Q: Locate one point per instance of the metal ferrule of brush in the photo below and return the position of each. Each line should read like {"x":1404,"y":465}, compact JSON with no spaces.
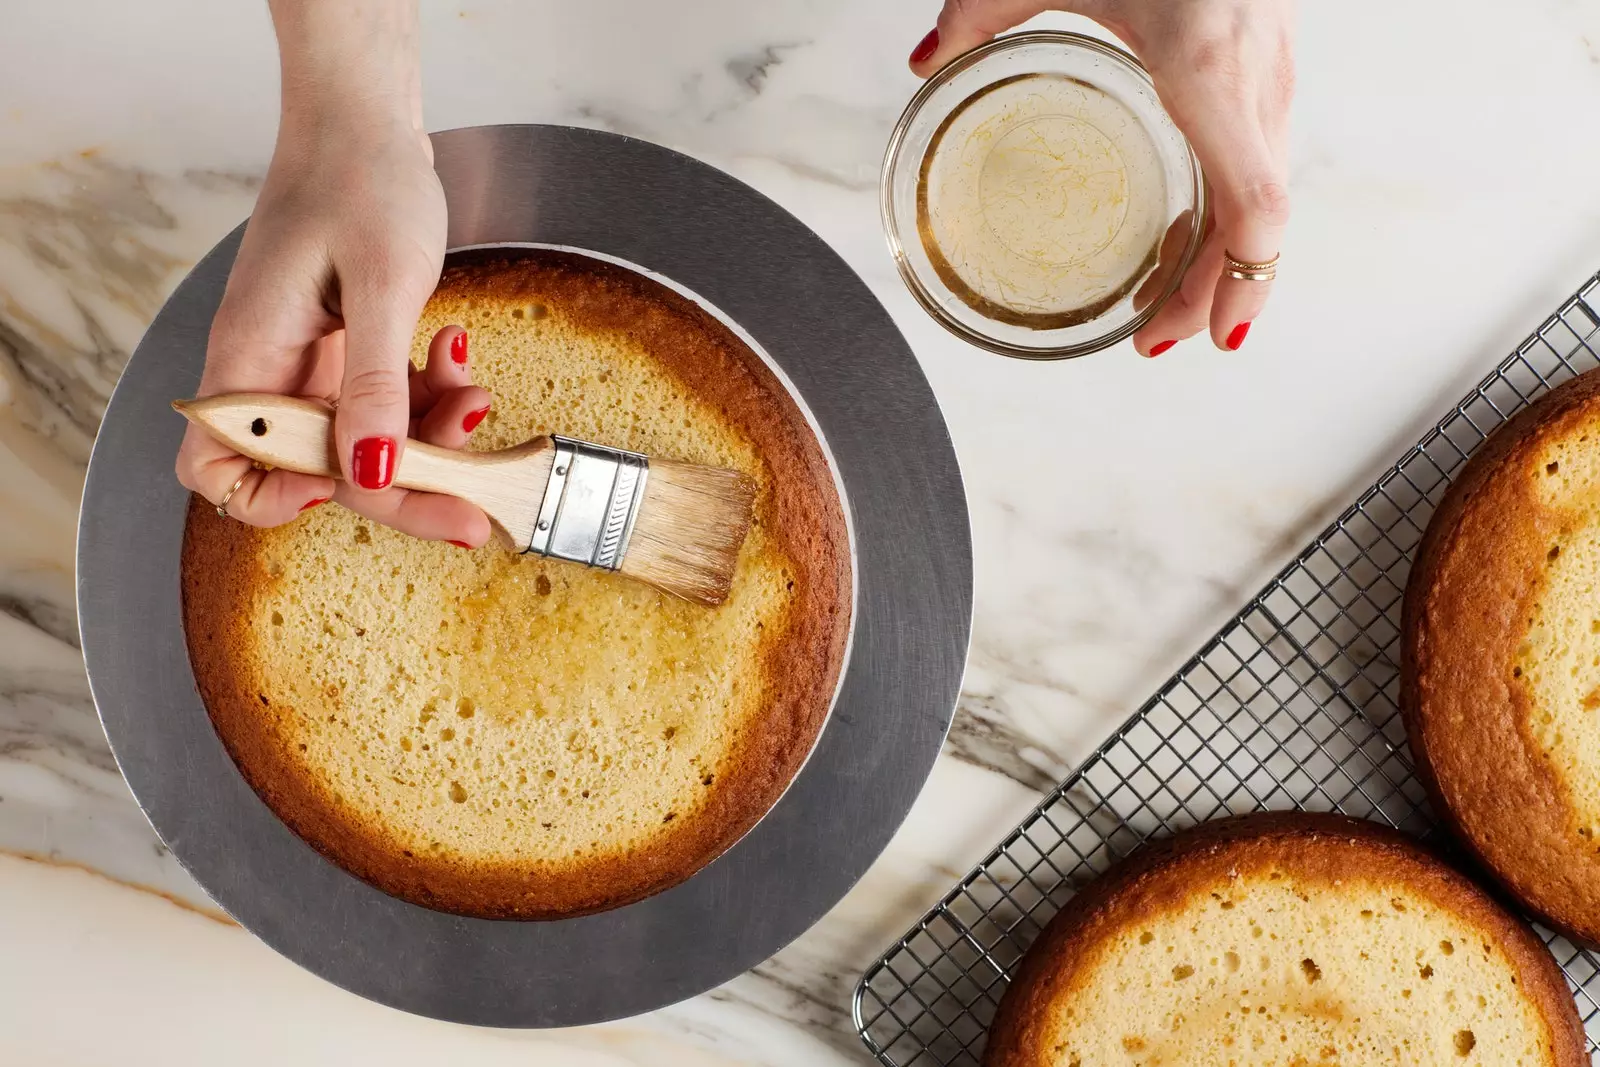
{"x":589,"y":507}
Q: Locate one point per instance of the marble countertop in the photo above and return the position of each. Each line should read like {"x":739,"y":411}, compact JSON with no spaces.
{"x":1443,"y":175}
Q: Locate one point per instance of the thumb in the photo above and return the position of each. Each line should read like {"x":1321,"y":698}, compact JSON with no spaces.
{"x":375,"y":397}
{"x":965,"y":24}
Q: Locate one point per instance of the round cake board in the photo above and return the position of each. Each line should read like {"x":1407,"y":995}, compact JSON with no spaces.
{"x":836,"y":345}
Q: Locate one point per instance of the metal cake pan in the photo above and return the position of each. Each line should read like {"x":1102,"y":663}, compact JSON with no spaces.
{"x":837,"y":347}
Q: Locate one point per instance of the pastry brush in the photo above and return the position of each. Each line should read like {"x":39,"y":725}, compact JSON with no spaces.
{"x":675,"y":526}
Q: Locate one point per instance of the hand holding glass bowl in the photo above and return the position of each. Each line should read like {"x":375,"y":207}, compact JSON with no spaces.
{"x":1044,"y":195}
{"x":348,"y":234}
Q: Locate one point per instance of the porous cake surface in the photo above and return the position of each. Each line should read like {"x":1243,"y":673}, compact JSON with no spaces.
{"x":1501,"y":671}
{"x":505,"y":736}
{"x":1294,"y":940}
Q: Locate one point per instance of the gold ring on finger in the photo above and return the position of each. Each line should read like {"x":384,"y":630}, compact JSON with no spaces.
{"x":1264,"y":271}
{"x":222,"y":508}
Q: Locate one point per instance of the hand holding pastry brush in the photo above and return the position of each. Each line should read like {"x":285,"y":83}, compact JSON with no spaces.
{"x":675,"y":526}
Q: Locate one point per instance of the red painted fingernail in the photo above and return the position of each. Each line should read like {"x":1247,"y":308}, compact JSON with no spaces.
{"x":1156,"y":350}
{"x":1236,"y":338}
{"x":309,"y":504}
{"x":372,"y":462}
{"x":470,"y":423}
{"x":458,"y":347}
{"x":461,"y":544}
{"x":928,"y":46}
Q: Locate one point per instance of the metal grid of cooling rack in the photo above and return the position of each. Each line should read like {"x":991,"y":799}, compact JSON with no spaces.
{"x":1294,"y":704}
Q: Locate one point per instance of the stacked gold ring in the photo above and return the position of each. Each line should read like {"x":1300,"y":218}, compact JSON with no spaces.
{"x":222,"y":508}
{"x":1249,"y":272}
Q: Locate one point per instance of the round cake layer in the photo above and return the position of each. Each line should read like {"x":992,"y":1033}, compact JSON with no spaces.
{"x":1285,"y":939}
{"x":1501,"y":680}
{"x":506,"y":736}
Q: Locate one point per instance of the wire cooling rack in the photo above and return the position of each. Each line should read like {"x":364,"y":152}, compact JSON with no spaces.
{"x":1294,"y":704}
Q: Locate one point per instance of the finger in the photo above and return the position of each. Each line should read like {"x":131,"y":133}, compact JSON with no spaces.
{"x":445,"y":408}
{"x":261,"y":498}
{"x":430,"y":516}
{"x":447,"y":424}
{"x":1188,"y":310}
{"x":445,"y":369}
{"x":1253,"y":222}
{"x":964,"y":24}
{"x":1252,"y":209}
{"x":1177,"y":320}
{"x":1263,"y":214}
{"x":380,"y":308}
{"x":324,"y":367}
{"x":454,"y":416}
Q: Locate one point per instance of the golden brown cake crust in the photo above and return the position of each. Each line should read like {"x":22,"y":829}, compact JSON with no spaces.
{"x":1164,"y":876}
{"x":222,"y":568}
{"x":1476,"y":573}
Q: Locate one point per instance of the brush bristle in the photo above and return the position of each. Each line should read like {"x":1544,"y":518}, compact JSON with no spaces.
{"x":690,"y":527}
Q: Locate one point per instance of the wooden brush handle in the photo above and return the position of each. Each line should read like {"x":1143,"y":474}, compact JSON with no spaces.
{"x":297,"y":435}
{"x":700,"y":515}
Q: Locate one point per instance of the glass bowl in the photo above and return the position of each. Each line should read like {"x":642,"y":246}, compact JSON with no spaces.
{"x":1038,"y":200}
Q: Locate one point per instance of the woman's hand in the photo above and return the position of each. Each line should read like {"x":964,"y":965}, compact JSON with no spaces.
{"x":338,"y":259}
{"x":1225,"y":72}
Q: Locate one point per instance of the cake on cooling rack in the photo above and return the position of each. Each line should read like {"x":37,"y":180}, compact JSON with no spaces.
{"x":503,"y":736}
{"x":1501,"y":665}
{"x":1285,"y":939}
